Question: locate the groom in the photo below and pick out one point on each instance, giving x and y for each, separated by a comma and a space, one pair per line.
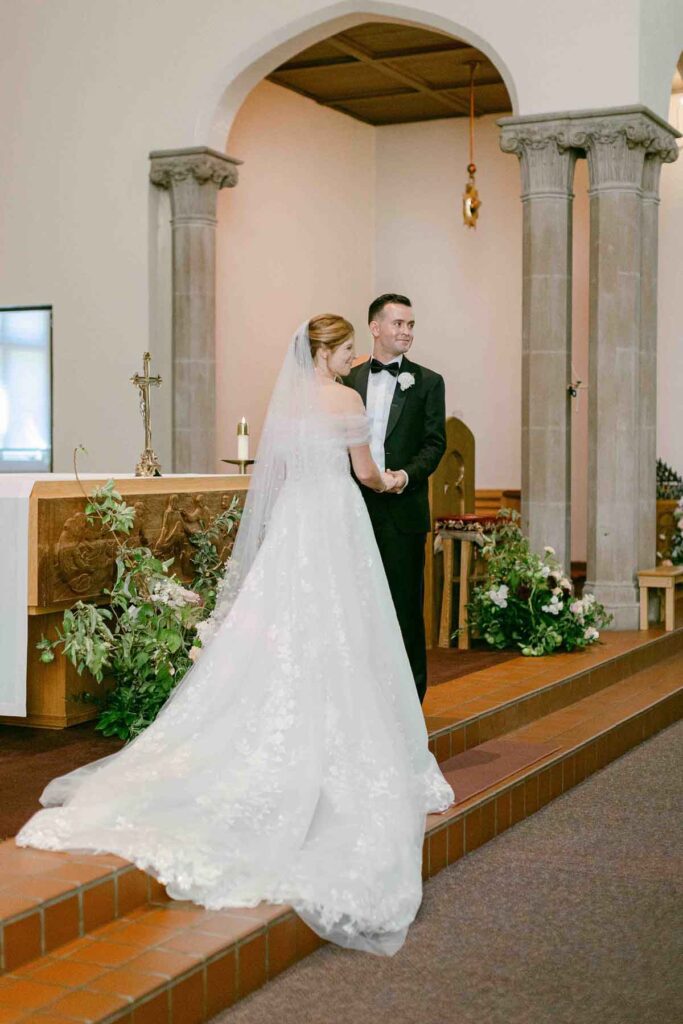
406, 407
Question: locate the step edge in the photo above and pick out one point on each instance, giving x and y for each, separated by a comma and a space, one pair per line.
69, 894
549, 761
168, 984
523, 698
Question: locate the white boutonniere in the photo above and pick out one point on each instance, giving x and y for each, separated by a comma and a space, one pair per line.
405, 381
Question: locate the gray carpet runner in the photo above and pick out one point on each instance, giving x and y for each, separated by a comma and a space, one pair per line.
568, 918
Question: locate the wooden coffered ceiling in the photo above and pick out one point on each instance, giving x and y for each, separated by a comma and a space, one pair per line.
384, 73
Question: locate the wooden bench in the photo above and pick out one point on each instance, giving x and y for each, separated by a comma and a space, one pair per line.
666, 578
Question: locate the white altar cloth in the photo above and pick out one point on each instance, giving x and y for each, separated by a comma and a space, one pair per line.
15, 491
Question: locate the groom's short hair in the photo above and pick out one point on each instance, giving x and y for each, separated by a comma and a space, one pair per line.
381, 301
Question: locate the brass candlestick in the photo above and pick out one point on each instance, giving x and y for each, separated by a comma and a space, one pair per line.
149, 464
242, 460
241, 464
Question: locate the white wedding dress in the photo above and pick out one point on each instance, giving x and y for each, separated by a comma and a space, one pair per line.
291, 764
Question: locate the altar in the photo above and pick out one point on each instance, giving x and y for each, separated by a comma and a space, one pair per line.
52, 557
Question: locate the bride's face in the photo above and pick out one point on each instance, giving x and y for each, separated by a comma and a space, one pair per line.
340, 359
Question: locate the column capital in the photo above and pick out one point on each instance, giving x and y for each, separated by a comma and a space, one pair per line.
625, 146
625, 150
546, 156
204, 165
193, 178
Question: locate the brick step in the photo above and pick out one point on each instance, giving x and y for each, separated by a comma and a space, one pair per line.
470, 710
587, 735
48, 899
165, 962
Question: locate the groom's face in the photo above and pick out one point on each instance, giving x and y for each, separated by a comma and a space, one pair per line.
393, 330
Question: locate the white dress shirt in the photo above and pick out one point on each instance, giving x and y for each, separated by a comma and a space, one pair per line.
381, 387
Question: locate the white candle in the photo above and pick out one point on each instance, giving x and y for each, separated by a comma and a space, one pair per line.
243, 440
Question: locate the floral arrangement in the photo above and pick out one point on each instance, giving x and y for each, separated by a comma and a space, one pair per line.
146, 638
677, 545
669, 482
527, 601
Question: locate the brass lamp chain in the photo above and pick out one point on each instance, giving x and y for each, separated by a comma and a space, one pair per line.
470, 200
473, 68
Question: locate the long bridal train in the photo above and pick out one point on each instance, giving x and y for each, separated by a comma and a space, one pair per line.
291, 764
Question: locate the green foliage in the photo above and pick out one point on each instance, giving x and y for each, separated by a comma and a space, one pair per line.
527, 601
144, 638
669, 482
206, 560
677, 544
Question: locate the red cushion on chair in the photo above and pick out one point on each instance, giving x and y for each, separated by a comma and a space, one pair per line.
468, 521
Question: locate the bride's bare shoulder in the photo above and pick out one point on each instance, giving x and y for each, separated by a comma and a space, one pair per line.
341, 400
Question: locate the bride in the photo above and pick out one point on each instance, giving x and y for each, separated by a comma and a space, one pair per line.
291, 763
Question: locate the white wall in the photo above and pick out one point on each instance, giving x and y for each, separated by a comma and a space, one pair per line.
295, 238
89, 87
465, 283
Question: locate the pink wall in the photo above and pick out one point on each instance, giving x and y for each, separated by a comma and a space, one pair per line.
295, 238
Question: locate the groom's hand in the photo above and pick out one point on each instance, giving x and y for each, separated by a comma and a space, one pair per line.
399, 481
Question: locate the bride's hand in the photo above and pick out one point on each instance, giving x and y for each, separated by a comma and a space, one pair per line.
389, 479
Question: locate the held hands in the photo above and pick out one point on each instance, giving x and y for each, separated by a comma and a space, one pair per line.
394, 482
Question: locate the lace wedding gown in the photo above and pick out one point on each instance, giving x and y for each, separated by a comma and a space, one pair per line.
291, 764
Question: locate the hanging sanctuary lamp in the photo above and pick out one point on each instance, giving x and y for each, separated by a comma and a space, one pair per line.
470, 200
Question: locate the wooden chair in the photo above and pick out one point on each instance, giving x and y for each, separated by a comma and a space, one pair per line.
468, 540
451, 493
666, 578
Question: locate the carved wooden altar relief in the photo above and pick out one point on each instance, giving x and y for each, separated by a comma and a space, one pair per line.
76, 560
70, 559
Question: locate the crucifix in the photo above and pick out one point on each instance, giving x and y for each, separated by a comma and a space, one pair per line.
149, 464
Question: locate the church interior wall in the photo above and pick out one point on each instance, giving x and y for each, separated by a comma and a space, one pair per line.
87, 89
294, 238
466, 284
670, 305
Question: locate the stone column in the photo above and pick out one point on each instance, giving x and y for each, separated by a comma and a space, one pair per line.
193, 178
647, 456
623, 149
547, 167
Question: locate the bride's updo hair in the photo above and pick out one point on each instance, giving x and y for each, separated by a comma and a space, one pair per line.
328, 331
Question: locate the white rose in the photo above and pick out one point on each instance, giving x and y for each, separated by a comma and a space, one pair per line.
405, 381
499, 596
548, 550
555, 606
564, 582
591, 633
545, 571
576, 608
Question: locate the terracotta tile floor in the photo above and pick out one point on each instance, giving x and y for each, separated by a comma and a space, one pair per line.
176, 963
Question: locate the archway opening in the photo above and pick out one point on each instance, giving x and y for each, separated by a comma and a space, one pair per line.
355, 153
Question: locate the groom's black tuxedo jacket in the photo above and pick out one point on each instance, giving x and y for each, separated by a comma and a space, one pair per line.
415, 441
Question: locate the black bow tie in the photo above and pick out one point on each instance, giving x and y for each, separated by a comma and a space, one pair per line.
392, 368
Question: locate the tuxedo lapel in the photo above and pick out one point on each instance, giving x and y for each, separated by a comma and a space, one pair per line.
400, 398
362, 377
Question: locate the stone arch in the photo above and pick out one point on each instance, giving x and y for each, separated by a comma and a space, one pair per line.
236, 80
192, 177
